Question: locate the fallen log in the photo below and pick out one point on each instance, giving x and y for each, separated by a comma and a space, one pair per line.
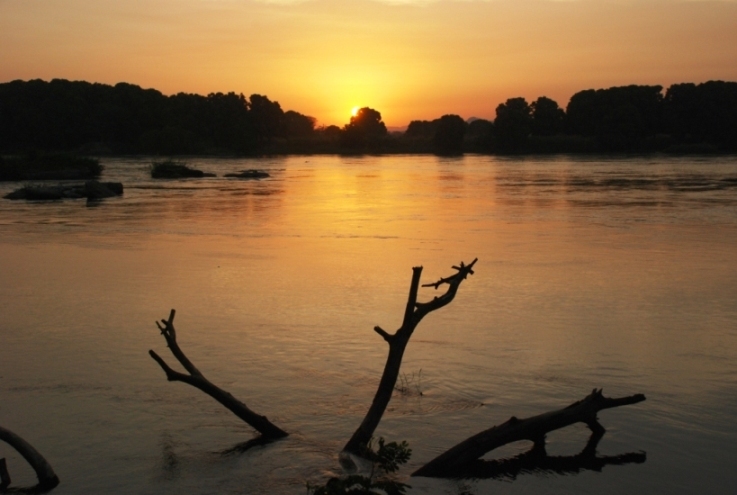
413, 314
537, 460
534, 429
195, 378
47, 478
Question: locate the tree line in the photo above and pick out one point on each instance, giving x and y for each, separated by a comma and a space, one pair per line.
96, 118
65, 115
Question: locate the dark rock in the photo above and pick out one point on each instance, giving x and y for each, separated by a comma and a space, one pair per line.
249, 174
174, 170
99, 190
92, 190
38, 193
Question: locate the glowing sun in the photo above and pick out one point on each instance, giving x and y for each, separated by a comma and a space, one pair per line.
354, 111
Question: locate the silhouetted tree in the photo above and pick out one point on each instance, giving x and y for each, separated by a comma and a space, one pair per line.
448, 137
620, 118
703, 113
364, 129
513, 125
332, 131
64, 116
480, 135
422, 128
298, 125
267, 116
368, 122
547, 117
77, 116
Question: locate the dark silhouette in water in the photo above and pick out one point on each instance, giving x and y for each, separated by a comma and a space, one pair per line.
47, 478
413, 315
249, 174
92, 190
534, 429
194, 377
169, 169
537, 460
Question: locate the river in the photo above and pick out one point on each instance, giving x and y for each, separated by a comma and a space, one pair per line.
593, 272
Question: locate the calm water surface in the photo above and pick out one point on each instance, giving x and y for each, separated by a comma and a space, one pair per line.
619, 274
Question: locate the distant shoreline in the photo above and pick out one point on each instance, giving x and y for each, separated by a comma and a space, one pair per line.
89, 119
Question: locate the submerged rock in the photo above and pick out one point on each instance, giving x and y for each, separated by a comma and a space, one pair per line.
175, 170
99, 190
92, 190
249, 174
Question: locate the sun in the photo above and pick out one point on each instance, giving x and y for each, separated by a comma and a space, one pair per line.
354, 111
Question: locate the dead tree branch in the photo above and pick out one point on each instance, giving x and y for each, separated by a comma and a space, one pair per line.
195, 378
533, 429
537, 460
413, 314
47, 478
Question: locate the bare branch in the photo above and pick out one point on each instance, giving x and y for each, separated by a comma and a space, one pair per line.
413, 314
534, 429
536, 460
171, 375
383, 333
170, 334
47, 478
4, 475
463, 272
195, 378
412, 298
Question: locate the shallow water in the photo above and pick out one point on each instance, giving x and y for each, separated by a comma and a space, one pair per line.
619, 274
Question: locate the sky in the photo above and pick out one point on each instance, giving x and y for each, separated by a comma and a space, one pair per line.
408, 59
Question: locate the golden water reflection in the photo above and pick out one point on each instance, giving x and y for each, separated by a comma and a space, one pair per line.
618, 274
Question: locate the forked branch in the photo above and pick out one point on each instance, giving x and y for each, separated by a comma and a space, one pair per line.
533, 429
195, 378
47, 478
413, 314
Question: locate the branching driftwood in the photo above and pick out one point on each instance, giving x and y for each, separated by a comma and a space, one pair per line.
537, 460
47, 479
413, 314
534, 429
195, 378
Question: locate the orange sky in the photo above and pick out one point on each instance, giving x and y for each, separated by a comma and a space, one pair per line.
409, 59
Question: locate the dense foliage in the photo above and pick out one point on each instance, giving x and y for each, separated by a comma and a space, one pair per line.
34, 166
98, 119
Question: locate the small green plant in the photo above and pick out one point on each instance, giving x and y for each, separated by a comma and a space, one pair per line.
409, 385
386, 460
